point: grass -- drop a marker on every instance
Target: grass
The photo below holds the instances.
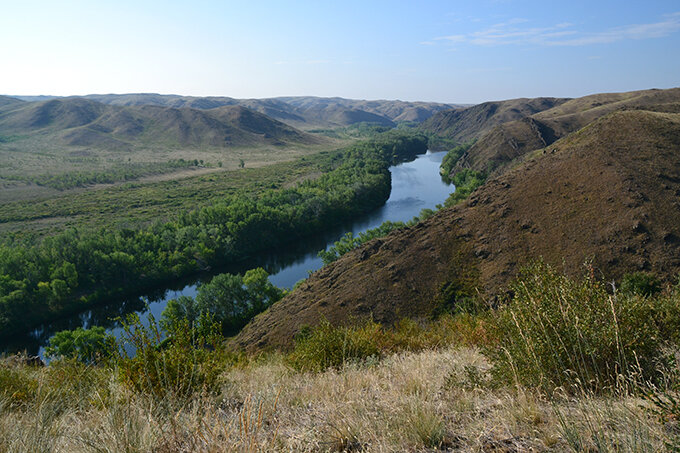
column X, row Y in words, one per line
column 416, row 386
column 138, row 203
column 559, row 332
column 409, row 401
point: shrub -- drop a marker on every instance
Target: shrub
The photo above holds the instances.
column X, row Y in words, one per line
column 640, row 283
column 667, row 317
column 188, row 361
column 459, row 329
column 326, row 346
column 85, row 345
column 559, row 331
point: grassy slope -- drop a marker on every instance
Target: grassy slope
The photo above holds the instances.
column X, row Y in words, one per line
column 609, row 192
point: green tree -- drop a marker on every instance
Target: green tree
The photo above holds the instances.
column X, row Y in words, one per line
column 183, row 307
column 86, row 345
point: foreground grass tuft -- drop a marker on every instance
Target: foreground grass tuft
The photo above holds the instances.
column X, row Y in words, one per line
column 561, row 332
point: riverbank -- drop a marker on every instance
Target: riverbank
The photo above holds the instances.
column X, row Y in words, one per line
column 73, row 270
column 415, row 186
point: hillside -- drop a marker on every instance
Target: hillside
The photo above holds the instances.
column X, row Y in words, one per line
column 8, row 102
column 83, row 122
column 512, row 139
column 331, row 110
column 306, row 112
column 610, row 192
column 463, row 125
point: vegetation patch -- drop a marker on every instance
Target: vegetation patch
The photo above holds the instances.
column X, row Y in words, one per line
column 451, row 158
column 562, row 332
column 465, row 181
column 188, row 361
column 230, row 300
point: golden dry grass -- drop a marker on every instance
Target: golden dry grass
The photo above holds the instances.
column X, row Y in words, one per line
column 434, row 399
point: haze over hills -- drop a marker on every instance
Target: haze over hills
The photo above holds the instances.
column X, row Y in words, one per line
column 304, row 112
column 610, row 192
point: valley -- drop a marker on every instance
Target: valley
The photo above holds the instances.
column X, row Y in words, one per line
column 546, row 281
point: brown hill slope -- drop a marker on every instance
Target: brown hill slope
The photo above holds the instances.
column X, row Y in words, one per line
column 610, row 191
column 463, row 125
column 507, row 141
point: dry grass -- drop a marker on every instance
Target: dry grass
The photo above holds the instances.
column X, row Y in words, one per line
column 433, row 399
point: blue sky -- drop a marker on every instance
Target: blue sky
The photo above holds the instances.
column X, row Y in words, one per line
column 448, row 51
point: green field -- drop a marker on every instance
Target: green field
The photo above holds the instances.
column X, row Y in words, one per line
column 45, row 211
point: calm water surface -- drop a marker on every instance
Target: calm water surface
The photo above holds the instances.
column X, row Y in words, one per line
column 416, row 185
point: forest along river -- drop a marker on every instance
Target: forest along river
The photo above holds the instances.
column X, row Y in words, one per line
column 416, row 185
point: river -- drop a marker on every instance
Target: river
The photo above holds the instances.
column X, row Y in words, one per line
column 416, row 185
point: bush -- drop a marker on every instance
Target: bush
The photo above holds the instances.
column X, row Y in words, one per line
column 640, row 283
column 559, row 332
column 188, row 361
column 85, row 345
column 326, row 346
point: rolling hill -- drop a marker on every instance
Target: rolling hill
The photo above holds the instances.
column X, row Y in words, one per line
column 609, row 193
column 511, row 139
column 83, row 122
column 463, row 125
column 305, row 112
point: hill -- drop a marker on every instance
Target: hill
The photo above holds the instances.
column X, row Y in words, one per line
column 610, row 193
column 306, row 112
column 8, row 102
column 463, row 125
column 512, row 139
column 331, row 110
column 84, row 122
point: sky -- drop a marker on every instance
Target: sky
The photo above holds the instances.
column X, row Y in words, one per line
column 445, row 51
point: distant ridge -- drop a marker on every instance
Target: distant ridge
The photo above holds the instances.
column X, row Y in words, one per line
column 463, row 125
column 305, row 112
column 507, row 130
column 78, row 121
